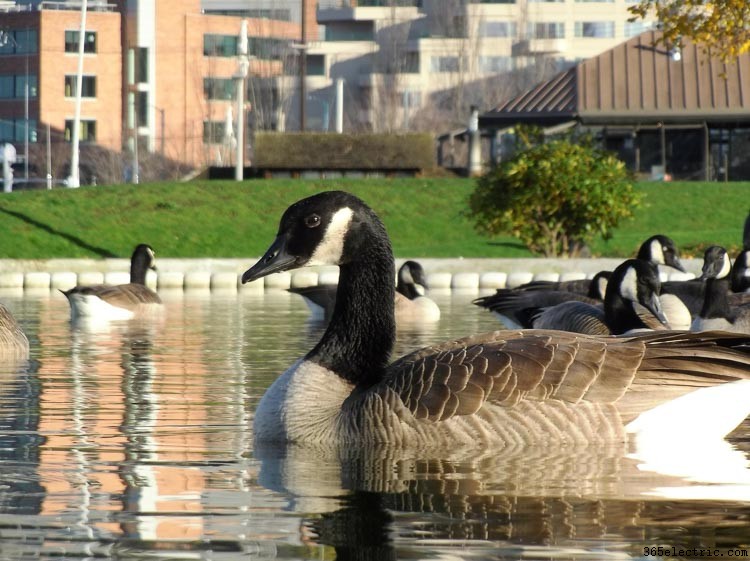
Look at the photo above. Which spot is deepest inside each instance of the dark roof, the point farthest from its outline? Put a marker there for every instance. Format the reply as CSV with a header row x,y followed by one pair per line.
x,y
638,81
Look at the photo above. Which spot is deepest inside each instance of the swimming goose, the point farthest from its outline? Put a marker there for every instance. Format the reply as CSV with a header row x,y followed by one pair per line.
x,y
411,302
658,250
123,301
634,282
516,307
504,388
718,312
13,341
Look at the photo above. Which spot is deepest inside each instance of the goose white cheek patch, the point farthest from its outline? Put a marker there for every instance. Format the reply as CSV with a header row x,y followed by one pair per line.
x,y
331,247
726,267
657,253
629,288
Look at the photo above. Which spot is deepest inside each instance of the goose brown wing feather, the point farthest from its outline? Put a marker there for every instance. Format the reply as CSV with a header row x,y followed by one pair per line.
x,y
503,368
127,296
575,316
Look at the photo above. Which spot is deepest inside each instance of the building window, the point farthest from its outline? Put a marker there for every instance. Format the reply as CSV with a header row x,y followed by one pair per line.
x,y
411,98
316,65
633,28
547,30
265,48
214,132
7,87
495,64
497,29
444,64
86,131
13,86
141,64
71,41
219,88
598,29
88,86
20,42
220,45
14,130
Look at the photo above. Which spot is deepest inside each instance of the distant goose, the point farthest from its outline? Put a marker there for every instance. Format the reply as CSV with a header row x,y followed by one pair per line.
x,y
516,307
718,312
658,250
507,388
411,303
123,301
13,341
634,285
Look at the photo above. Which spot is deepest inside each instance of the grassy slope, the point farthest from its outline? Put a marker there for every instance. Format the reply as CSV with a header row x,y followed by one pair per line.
x,y
226,219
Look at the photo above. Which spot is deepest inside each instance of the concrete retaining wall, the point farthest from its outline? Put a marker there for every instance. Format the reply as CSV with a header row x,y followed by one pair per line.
x,y
210,274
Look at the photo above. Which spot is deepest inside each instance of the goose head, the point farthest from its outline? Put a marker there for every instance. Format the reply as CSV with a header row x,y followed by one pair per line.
x,y
636,281
330,228
143,259
412,281
716,263
145,255
661,250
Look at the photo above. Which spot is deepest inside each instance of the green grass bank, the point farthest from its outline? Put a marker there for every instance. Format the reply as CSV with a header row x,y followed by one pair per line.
x,y
229,219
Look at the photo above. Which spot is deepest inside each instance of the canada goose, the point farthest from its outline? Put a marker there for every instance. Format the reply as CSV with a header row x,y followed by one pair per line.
x,y
505,388
741,272
122,301
658,250
13,341
717,311
633,282
411,302
516,307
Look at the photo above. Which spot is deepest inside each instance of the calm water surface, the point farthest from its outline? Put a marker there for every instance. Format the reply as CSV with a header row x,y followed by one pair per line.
x,y
134,441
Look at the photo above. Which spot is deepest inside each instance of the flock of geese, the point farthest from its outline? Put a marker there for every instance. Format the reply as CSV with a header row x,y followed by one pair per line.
x,y
632,297
583,361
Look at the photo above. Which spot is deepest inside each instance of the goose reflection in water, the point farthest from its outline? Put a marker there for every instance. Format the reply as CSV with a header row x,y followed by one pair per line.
x,y
371,503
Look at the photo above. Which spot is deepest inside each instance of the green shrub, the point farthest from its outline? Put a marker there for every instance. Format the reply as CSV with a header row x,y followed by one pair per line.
x,y
300,151
554,197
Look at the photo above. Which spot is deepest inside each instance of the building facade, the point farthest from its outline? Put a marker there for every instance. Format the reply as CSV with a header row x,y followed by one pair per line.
x,y
403,59
158,77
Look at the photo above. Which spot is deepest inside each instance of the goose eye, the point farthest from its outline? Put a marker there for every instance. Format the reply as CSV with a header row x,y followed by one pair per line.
x,y
312,221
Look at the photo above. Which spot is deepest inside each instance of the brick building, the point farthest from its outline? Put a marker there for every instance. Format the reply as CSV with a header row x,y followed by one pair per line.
x,y
162,68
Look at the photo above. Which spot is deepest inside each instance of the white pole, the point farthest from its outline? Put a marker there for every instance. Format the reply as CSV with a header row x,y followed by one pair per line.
x,y
49,159
74,180
340,105
239,163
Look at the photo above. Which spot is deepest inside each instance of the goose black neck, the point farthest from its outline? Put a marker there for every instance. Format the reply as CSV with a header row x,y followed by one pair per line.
x,y
716,300
359,339
739,276
138,268
619,314
408,289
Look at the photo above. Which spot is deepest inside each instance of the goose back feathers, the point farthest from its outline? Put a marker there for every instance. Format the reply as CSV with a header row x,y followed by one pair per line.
x,y
506,387
122,301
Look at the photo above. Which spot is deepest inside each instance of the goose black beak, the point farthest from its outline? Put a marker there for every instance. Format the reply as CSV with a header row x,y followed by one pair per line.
x,y
275,260
675,263
654,306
